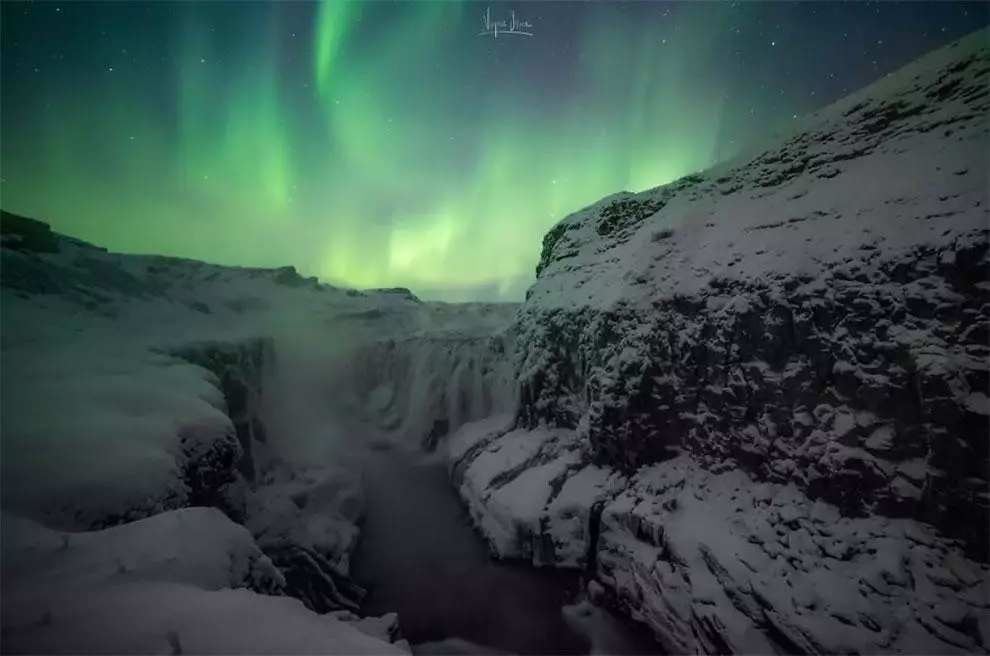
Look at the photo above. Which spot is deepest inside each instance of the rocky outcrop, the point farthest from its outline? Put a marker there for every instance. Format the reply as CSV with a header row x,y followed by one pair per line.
x,y
754,402
20,233
240,370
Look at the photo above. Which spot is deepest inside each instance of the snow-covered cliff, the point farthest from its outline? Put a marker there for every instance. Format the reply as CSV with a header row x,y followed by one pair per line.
x,y
754,402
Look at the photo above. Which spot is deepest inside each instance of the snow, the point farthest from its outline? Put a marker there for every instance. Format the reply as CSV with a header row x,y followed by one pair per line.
x,y
473,434
126,420
102,426
569,514
314,508
170,618
193,546
525,496
512,450
506,516
127,589
695,545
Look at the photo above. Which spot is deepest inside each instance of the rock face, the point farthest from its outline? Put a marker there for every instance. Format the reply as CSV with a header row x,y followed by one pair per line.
x,y
755,400
240,371
304,521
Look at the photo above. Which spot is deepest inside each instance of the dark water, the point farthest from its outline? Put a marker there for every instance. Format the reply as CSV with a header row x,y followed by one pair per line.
x,y
420,557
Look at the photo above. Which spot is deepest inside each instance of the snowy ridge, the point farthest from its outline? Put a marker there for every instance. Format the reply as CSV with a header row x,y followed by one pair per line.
x,y
822,196
754,402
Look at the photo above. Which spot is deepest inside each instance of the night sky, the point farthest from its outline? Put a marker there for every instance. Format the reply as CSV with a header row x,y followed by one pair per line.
x,y
388,143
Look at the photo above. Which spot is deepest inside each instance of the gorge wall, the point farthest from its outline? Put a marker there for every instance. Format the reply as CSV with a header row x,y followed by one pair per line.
x,y
755,401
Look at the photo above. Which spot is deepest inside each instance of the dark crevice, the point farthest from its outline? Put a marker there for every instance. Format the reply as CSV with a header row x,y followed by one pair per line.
x,y
594,531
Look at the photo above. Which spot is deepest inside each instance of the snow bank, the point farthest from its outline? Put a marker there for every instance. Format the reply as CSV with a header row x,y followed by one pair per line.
x,y
170,618
156,585
193,546
99,436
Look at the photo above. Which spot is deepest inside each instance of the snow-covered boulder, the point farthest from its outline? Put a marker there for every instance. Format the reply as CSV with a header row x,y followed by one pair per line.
x,y
779,368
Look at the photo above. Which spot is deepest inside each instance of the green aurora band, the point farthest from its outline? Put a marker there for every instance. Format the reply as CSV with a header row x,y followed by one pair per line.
x,y
418,159
528,169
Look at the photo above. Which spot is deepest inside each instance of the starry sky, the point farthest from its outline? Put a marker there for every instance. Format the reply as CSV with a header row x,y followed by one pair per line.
x,y
388,143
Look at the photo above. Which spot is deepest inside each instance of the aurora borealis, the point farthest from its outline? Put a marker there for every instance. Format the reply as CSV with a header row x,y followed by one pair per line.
x,y
388,143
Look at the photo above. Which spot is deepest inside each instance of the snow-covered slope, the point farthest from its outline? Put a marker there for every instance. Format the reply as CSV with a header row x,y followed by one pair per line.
x,y
171,618
185,580
754,402
869,180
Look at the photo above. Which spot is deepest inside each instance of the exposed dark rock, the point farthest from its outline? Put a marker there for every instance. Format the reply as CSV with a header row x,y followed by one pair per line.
x,y
401,292
315,580
20,233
